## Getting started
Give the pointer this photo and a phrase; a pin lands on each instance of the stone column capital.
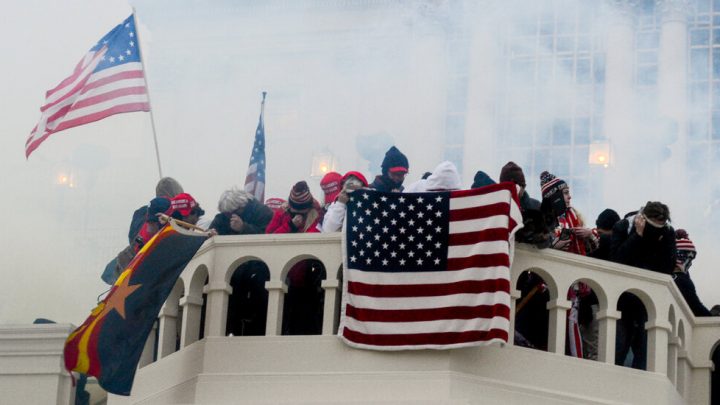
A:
(625, 10)
(674, 10)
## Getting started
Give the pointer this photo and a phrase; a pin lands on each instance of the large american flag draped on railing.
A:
(428, 270)
(255, 178)
(108, 80)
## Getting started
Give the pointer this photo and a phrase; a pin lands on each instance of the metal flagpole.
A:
(262, 110)
(147, 89)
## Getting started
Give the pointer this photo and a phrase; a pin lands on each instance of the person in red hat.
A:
(184, 207)
(330, 185)
(335, 215)
(275, 203)
(301, 214)
(394, 167)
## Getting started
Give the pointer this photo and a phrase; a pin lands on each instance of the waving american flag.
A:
(108, 80)
(428, 270)
(255, 178)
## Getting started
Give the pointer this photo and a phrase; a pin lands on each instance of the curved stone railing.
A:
(679, 345)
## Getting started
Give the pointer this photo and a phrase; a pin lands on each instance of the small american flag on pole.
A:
(428, 270)
(108, 80)
(255, 178)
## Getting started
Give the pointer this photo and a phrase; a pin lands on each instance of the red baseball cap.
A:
(330, 185)
(183, 203)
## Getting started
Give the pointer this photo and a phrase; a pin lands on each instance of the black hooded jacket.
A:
(255, 216)
(656, 254)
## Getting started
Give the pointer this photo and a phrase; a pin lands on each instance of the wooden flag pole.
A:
(147, 89)
(166, 218)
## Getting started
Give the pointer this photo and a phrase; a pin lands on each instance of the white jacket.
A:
(334, 217)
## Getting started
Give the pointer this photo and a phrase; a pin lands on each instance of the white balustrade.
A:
(670, 325)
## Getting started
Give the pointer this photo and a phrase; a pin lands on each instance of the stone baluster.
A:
(191, 306)
(276, 297)
(557, 327)
(218, 296)
(658, 335)
(607, 329)
(167, 330)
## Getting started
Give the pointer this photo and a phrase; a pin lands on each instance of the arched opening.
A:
(338, 301)
(531, 314)
(248, 303)
(304, 301)
(203, 309)
(715, 376)
(631, 336)
(672, 347)
(179, 323)
(581, 339)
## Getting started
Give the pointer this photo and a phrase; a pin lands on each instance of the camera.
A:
(566, 233)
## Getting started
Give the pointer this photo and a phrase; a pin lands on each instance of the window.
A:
(582, 71)
(698, 64)
(561, 132)
(582, 131)
(699, 37)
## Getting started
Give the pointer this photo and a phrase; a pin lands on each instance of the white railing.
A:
(679, 345)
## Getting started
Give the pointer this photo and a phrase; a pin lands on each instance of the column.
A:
(483, 81)
(672, 89)
(557, 328)
(658, 334)
(515, 295)
(149, 350)
(191, 319)
(218, 296)
(276, 297)
(607, 329)
(699, 392)
(619, 96)
(331, 296)
(683, 372)
(167, 329)
(673, 345)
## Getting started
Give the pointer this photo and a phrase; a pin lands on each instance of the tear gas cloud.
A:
(478, 83)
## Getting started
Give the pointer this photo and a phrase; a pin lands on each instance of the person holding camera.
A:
(571, 234)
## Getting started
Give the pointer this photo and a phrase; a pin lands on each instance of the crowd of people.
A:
(643, 238)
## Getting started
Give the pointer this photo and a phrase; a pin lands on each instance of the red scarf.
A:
(570, 220)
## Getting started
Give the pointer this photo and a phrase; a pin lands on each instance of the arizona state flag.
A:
(109, 343)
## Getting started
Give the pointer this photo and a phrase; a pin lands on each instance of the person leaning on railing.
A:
(686, 253)
(644, 239)
(240, 214)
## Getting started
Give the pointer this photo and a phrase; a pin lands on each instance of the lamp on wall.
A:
(323, 163)
(599, 154)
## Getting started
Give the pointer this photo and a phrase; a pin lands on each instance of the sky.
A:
(348, 87)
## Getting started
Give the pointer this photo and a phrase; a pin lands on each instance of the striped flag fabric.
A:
(428, 270)
(108, 80)
(255, 178)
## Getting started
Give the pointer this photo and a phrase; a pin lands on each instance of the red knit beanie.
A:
(300, 197)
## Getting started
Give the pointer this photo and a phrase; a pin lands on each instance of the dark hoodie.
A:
(481, 180)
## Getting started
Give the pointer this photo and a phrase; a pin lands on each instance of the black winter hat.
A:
(394, 161)
(482, 179)
(512, 172)
(607, 219)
